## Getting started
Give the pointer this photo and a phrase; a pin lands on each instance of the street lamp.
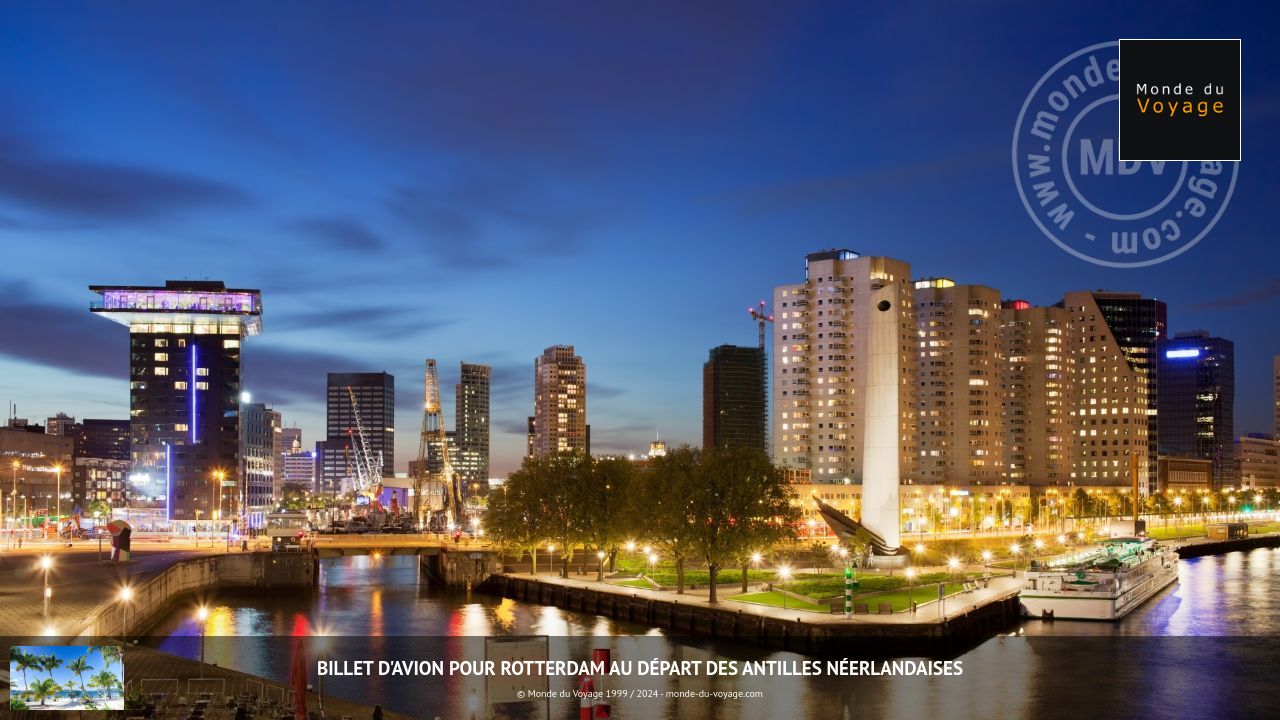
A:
(126, 594)
(784, 574)
(986, 563)
(46, 563)
(1016, 549)
(57, 469)
(202, 614)
(14, 494)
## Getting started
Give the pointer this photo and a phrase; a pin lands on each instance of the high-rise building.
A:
(1039, 388)
(60, 424)
(104, 439)
(848, 329)
(471, 410)
(734, 411)
(375, 398)
(259, 448)
(1115, 341)
(299, 468)
(290, 440)
(1275, 396)
(184, 380)
(960, 423)
(1197, 401)
(1258, 456)
(290, 444)
(101, 480)
(559, 402)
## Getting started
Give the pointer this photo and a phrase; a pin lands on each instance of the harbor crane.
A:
(443, 479)
(368, 464)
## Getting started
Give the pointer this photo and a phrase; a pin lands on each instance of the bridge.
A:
(464, 563)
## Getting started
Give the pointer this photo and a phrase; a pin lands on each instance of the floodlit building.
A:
(960, 420)
(560, 403)
(375, 397)
(184, 385)
(1115, 337)
(259, 448)
(1197, 402)
(1039, 394)
(471, 410)
(1258, 456)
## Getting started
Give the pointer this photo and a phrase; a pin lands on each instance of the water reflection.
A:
(382, 608)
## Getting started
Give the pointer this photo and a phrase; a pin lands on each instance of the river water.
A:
(1206, 647)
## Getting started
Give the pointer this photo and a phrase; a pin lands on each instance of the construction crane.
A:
(433, 435)
(368, 465)
(761, 316)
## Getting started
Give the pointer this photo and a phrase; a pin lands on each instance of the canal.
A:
(1203, 646)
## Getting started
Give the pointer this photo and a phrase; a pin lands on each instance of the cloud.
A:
(340, 232)
(375, 321)
(603, 392)
(103, 190)
(283, 375)
(1268, 289)
(61, 337)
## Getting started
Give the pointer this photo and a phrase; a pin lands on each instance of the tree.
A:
(668, 506)
(24, 661)
(740, 502)
(515, 518)
(79, 666)
(98, 509)
(44, 689)
(293, 496)
(49, 663)
(605, 499)
(106, 681)
(109, 654)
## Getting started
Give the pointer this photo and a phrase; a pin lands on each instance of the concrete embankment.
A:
(899, 634)
(1221, 547)
(152, 599)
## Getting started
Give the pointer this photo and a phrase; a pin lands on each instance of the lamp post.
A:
(57, 469)
(784, 574)
(218, 476)
(13, 492)
(202, 614)
(986, 563)
(126, 594)
(46, 563)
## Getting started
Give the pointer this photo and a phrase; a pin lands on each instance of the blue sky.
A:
(477, 182)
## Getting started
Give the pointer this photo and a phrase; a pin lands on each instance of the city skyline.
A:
(422, 220)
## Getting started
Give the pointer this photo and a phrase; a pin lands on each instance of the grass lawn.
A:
(775, 599)
(665, 573)
(1189, 530)
(901, 599)
(633, 582)
(825, 586)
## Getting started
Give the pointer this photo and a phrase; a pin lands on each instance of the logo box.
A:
(1179, 100)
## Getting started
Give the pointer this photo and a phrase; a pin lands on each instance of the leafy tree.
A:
(293, 496)
(43, 689)
(79, 666)
(604, 501)
(106, 681)
(98, 508)
(740, 501)
(49, 663)
(669, 494)
(24, 661)
(516, 519)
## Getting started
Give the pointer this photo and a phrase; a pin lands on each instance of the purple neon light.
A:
(194, 390)
(168, 482)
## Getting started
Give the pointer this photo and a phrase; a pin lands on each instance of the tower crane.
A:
(761, 315)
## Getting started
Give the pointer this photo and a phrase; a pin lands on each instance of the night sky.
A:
(477, 181)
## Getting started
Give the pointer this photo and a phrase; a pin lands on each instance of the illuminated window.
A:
(162, 357)
(162, 371)
(180, 385)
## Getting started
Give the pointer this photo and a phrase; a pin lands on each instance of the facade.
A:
(961, 364)
(99, 479)
(734, 409)
(1275, 396)
(375, 396)
(1180, 474)
(184, 379)
(299, 468)
(823, 342)
(1197, 402)
(290, 444)
(471, 410)
(35, 469)
(560, 402)
(1039, 394)
(259, 448)
(1258, 456)
(60, 424)
(106, 439)
(1115, 337)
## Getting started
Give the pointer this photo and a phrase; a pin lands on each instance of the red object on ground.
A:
(602, 655)
(120, 542)
(299, 677)
(585, 704)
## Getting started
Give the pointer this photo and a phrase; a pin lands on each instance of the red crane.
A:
(761, 315)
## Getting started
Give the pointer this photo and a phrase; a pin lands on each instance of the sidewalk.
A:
(955, 605)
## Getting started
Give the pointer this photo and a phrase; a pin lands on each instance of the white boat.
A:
(1102, 583)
